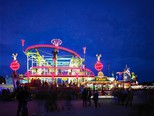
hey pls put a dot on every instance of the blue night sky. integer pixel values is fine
(122, 31)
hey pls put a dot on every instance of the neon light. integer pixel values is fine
(56, 42)
(22, 42)
(15, 65)
(51, 46)
(84, 50)
(98, 66)
(62, 67)
(59, 76)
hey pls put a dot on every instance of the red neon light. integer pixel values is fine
(51, 46)
(98, 66)
(14, 65)
(54, 59)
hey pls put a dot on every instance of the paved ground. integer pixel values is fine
(105, 109)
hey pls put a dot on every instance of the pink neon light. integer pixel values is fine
(51, 75)
(22, 42)
(98, 66)
(51, 46)
(58, 76)
(42, 67)
(56, 42)
(63, 67)
(15, 65)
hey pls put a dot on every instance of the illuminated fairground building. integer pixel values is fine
(106, 84)
(54, 63)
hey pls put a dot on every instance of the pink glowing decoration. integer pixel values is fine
(84, 50)
(51, 46)
(98, 66)
(15, 65)
(56, 42)
(62, 75)
(52, 74)
(22, 42)
(27, 74)
(77, 75)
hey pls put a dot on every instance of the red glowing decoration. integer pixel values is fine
(15, 65)
(54, 59)
(98, 66)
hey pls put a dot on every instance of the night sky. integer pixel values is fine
(121, 30)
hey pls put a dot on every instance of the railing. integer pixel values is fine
(58, 71)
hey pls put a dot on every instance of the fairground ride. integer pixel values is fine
(53, 63)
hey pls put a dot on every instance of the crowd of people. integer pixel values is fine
(6, 94)
(123, 96)
(87, 94)
(23, 96)
(47, 98)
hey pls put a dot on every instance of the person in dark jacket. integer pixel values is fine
(89, 96)
(129, 98)
(84, 97)
(23, 96)
(95, 98)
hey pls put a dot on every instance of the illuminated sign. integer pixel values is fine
(64, 79)
(101, 79)
(14, 65)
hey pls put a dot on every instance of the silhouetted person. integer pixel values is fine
(129, 98)
(23, 96)
(17, 84)
(89, 96)
(68, 100)
(95, 98)
(84, 97)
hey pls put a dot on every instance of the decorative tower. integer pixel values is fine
(99, 66)
(84, 51)
(55, 42)
(14, 66)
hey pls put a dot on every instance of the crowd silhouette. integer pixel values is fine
(48, 95)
